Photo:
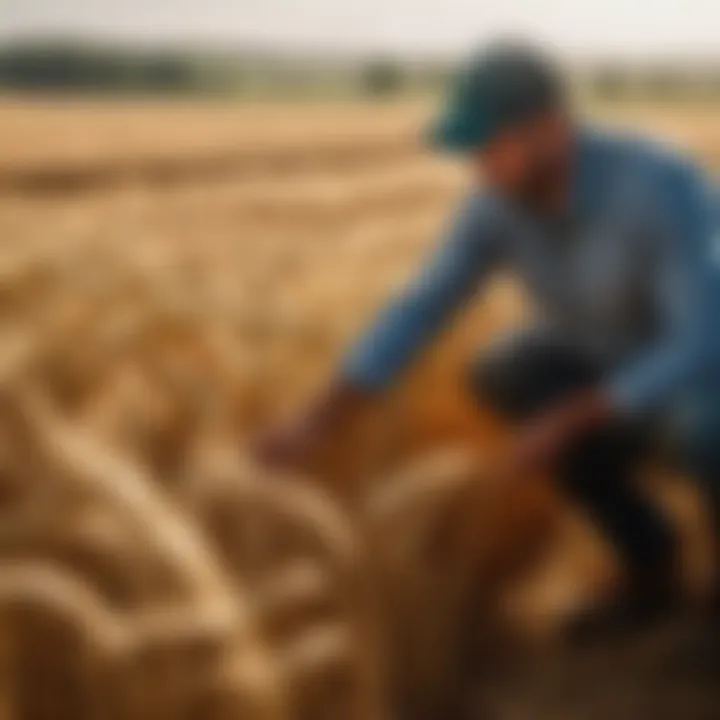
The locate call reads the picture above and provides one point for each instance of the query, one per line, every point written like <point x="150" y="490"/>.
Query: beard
<point x="545" y="187"/>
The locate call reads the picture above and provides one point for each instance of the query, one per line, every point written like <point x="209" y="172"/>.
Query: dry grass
<point x="172" y="278"/>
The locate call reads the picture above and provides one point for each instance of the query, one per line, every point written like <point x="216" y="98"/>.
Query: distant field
<point x="45" y="132"/>
<point x="296" y="221"/>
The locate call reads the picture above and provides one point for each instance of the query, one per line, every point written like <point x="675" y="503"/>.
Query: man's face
<point x="531" y="162"/>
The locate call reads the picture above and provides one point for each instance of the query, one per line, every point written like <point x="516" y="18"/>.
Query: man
<point x="618" y="244"/>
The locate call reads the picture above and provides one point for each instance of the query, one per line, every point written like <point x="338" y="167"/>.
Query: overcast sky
<point x="628" y="27"/>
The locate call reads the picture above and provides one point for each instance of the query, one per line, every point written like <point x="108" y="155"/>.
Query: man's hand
<point x="295" y="444"/>
<point x="545" y="438"/>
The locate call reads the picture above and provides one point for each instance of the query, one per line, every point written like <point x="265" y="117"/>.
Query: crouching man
<point x="617" y="241"/>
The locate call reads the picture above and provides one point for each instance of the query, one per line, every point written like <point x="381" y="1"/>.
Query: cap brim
<point x="456" y="133"/>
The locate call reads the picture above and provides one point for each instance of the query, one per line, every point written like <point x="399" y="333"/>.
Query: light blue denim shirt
<point x="632" y="275"/>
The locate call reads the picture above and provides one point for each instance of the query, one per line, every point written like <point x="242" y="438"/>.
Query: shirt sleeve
<point x="446" y="282"/>
<point x="688" y="287"/>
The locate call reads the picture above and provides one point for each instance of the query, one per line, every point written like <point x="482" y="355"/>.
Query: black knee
<point x="520" y="377"/>
<point x="496" y="385"/>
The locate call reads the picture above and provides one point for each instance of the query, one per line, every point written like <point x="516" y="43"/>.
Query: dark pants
<point x="522" y="377"/>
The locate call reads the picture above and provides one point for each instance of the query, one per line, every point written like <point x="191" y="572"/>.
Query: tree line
<point x="75" y="67"/>
<point x="94" y="69"/>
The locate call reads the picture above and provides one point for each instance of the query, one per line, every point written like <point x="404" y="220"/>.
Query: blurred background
<point x="201" y="204"/>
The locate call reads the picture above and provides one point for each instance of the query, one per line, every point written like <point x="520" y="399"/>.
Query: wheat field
<point x="174" y="278"/>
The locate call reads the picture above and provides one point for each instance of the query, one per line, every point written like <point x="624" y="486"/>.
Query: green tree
<point x="382" y="78"/>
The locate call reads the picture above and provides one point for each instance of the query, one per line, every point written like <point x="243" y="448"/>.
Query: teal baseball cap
<point x="503" y="85"/>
